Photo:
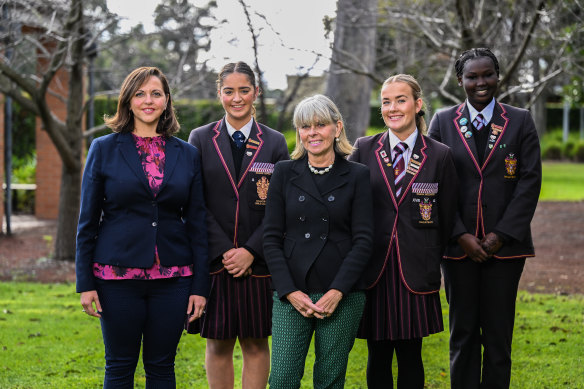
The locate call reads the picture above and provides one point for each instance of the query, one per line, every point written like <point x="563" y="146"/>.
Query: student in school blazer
<point x="238" y="222"/>
<point x="501" y="193"/>
<point x="427" y="181"/>
<point x="133" y="221"/>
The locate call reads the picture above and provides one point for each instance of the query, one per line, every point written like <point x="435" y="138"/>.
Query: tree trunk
<point x="68" y="215"/>
<point x="353" y="48"/>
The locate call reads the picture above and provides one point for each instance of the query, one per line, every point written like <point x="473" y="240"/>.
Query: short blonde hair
<point x="319" y="109"/>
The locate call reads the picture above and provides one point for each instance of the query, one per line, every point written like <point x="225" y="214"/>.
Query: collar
<point x="246" y="129"/>
<point x="410" y="141"/>
<point x="487" y="112"/>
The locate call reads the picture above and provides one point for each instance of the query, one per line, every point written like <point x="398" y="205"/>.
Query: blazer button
<point x="307" y="235"/>
<point x="301" y="198"/>
<point x="302" y="218"/>
<point x="154" y="203"/>
<point x="154" y="224"/>
<point x="331" y="198"/>
<point x="323" y="237"/>
<point x="325" y="219"/>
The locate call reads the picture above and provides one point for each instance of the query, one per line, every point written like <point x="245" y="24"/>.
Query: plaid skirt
<point x="237" y="307"/>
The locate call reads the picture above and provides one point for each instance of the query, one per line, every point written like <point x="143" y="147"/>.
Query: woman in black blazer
<point x="317" y="240"/>
<point x="414" y="197"/>
<point x="141" y="258"/>
<point x="498" y="164"/>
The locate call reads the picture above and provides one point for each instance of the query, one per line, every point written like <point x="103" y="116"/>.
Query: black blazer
<point x="235" y="209"/>
<point x="502" y="194"/>
<point x="420" y="221"/>
<point x="302" y="225"/>
<point x="121" y="221"/>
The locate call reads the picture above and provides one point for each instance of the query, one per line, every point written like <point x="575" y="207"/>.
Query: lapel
<point x="461" y="121"/>
<point x="337" y="176"/>
<point x="417" y="161"/>
<point x="303" y="180"/>
<point x="383" y="156"/>
<point x="171" y="153"/>
<point x="252" y="149"/>
<point x="223" y="148"/>
<point x="497" y="128"/>
<point x="128" y="150"/>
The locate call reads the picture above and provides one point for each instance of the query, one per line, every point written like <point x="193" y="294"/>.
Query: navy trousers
<point x="148" y="312"/>
<point x="482" y="298"/>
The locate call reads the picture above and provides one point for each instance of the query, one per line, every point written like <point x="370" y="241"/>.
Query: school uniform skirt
<point x="237" y="307"/>
<point x="392" y="312"/>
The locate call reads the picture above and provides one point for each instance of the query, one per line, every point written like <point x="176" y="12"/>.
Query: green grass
<point x="562" y="181"/>
<point x="46" y="342"/>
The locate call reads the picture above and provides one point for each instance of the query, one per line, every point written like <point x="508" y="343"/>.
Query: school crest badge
<point x="511" y="165"/>
<point x="262" y="188"/>
<point x="426" y="209"/>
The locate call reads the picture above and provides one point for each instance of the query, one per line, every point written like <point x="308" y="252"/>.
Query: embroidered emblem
<point x="426" y="209"/>
<point x="262" y="168"/>
<point x="463" y="121"/>
<point x="262" y="190"/>
<point x="510" y="165"/>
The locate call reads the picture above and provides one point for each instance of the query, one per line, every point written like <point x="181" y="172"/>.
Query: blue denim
<point x="151" y="312"/>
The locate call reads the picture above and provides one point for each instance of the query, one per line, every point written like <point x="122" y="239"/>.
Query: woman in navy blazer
<point x="497" y="157"/>
<point x="414" y="198"/>
<point x="317" y="240"/>
<point x="141" y="259"/>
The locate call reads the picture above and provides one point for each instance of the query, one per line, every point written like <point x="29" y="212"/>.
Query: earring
<point x="337" y="139"/>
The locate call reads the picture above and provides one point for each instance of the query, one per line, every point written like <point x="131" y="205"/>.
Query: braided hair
<point x="472" y="54"/>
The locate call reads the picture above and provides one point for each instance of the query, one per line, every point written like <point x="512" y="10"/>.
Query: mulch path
<point x="557" y="227"/>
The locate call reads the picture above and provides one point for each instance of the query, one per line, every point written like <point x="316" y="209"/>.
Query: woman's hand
<point x="472" y="247"/>
<point x="491" y="243"/>
<point x="196" y="307"/>
<point x="329" y="302"/>
<point x="87" y="300"/>
<point x="304" y="305"/>
<point x="237" y="262"/>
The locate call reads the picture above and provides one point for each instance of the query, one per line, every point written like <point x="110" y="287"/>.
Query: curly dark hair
<point x="123" y="120"/>
<point x="472" y="54"/>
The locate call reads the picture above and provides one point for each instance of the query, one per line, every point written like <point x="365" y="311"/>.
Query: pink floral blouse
<point x="152" y="157"/>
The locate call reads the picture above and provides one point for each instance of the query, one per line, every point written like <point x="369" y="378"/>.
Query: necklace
<point x="323" y="171"/>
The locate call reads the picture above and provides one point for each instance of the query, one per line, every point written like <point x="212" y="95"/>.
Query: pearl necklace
<point x="323" y="171"/>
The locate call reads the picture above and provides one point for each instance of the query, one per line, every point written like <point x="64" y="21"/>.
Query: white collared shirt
<point x="246" y="129"/>
<point x="487" y="112"/>
<point x="410" y="141"/>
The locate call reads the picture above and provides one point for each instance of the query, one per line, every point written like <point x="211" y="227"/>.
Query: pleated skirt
<point x="237" y="307"/>
<point x="392" y="312"/>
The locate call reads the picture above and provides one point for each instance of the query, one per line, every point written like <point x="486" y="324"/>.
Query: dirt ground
<point x="558" y="234"/>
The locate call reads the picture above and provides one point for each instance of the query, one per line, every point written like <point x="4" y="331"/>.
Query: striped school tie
<point x="399" y="166"/>
<point x="479" y="122"/>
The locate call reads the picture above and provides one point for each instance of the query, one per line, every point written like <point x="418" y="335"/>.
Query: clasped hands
<point x="323" y="308"/>
<point x="480" y="250"/>
<point x="237" y="262"/>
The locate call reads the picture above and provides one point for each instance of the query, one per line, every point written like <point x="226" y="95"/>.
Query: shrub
<point x="578" y="151"/>
<point x="551" y="150"/>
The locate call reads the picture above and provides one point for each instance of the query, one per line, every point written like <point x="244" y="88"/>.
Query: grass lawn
<point x="46" y="342"/>
<point x="562" y="181"/>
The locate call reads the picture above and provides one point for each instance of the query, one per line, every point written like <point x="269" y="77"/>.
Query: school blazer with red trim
<point x="235" y="209"/>
<point x="502" y="194"/>
<point x="419" y="222"/>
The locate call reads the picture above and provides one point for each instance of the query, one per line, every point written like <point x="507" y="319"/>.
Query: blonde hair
<point x="416" y="92"/>
<point x="319" y="109"/>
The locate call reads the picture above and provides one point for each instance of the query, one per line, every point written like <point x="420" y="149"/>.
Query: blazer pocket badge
<point x="511" y="166"/>
<point x="424" y="201"/>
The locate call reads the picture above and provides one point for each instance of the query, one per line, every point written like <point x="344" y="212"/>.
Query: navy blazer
<point x="301" y="225"/>
<point x="235" y="208"/>
<point x="419" y="222"/>
<point x="502" y="194"/>
<point x="120" y="220"/>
